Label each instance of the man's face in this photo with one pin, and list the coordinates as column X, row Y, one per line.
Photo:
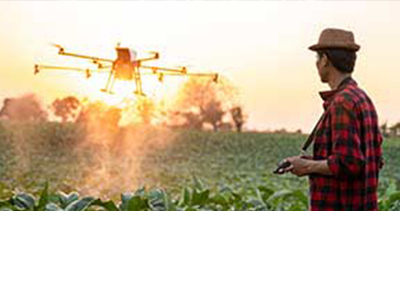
column 323, row 67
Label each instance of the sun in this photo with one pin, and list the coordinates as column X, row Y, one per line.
column 153, row 88
column 157, row 101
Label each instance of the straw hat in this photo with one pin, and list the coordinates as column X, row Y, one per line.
column 335, row 38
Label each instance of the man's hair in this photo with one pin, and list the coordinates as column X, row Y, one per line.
column 343, row 60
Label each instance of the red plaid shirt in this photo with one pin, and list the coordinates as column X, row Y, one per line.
column 349, row 138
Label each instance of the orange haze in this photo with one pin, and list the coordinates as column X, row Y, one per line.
column 260, row 46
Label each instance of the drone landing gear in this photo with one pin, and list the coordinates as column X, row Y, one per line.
column 139, row 93
column 138, row 81
column 106, row 91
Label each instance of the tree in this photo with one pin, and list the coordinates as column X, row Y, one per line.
column 238, row 117
column 201, row 100
column 395, row 130
column 213, row 113
column 193, row 120
column 66, row 108
column 25, row 108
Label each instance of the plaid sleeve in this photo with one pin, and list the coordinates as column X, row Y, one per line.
column 347, row 157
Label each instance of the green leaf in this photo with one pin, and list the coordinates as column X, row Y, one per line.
column 200, row 198
column 265, row 191
column 72, row 197
column 133, row 202
column 298, row 201
column 140, row 191
column 186, row 197
column 157, row 200
column 279, row 194
column 395, row 196
column 81, row 204
column 5, row 192
column 257, row 203
column 44, row 197
column 198, row 184
column 392, row 188
column 6, row 206
column 66, row 199
column 52, row 207
column 63, row 198
column 125, row 197
column 23, row 201
column 107, row 205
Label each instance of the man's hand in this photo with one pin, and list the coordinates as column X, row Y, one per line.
column 300, row 166
column 305, row 165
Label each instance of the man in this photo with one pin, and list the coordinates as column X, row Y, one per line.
column 347, row 155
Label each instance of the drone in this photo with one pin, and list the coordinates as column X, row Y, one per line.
column 127, row 66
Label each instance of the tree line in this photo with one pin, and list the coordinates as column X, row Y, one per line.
column 200, row 104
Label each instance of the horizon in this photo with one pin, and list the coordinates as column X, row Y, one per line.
column 260, row 46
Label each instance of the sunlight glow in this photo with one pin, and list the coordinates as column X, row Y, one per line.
column 260, row 45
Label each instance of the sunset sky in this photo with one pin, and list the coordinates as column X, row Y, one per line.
column 260, row 46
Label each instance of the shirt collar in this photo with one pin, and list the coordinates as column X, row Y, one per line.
column 327, row 96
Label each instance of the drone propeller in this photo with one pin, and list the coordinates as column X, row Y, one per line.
column 88, row 73
column 102, row 66
column 215, row 78
column 154, row 70
column 184, row 69
column 154, row 53
column 59, row 47
column 56, row 45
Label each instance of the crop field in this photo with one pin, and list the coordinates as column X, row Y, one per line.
column 54, row 166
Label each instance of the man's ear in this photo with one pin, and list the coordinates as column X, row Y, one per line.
column 325, row 60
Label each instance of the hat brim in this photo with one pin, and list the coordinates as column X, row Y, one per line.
column 318, row 47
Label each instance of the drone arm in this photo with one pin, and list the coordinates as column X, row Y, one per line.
column 202, row 74
column 41, row 67
column 155, row 56
column 92, row 58
column 88, row 72
column 213, row 75
column 156, row 69
column 102, row 67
